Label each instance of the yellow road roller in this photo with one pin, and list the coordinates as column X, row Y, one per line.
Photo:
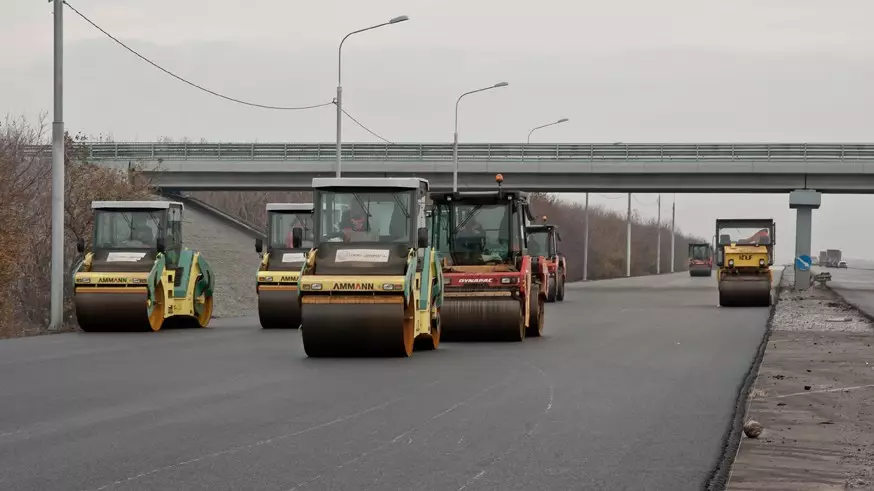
column 137, row 275
column 371, row 285
column 744, row 256
column 289, row 239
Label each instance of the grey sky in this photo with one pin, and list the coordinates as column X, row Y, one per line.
column 631, row 71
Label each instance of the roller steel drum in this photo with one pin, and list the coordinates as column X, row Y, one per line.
column 745, row 291
column 482, row 319
column 698, row 270
column 126, row 310
column 278, row 308
column 356, row 329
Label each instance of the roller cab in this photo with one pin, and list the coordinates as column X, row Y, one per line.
column 492, row 289
column 543, row 240
column 700, row 260
column 137, row 275
column 289, row 240
column 745, row 254
column 371, row 286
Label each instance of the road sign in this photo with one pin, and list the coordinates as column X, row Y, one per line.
column 802, row 263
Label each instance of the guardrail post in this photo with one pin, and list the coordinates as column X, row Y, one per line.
column 152, row 147
column 219, row 150
column 90, row 152
column 285, row 151
column 252, row 151
column 185, row 151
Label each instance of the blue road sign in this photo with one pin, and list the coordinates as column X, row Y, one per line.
column 802, row 263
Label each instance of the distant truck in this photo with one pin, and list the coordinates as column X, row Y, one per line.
column 833, row 258
column 823, row 259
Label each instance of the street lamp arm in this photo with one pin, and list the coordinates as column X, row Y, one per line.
column 563, row 120
column 340, row 49
column 468, row 93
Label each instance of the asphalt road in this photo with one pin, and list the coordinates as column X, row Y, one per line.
column 856, row 286
column 631, row 388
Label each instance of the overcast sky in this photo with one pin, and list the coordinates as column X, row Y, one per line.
column 630, row 71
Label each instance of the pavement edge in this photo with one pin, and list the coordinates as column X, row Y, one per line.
column 717, row 479
column 857, row 307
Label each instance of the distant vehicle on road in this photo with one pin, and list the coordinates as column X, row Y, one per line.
column 842, row 264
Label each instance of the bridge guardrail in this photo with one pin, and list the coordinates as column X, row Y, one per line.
column 428, row 152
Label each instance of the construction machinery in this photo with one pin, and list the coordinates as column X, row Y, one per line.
column 289, row 239
column 700, row 259
column 543, row 241
column 745, row 254
column 494, row 290
column 371, row 285
column 137, row 275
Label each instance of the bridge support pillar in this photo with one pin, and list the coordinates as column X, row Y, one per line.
column 804, row 201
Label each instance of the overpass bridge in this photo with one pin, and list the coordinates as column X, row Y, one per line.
column 804, row 170
column 693, row 168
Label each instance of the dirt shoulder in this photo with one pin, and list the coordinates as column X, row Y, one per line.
column 814, row 396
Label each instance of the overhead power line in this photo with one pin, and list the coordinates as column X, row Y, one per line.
column 181, row 79
column 365, row 128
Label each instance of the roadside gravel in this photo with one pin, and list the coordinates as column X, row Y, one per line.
column 814, row 396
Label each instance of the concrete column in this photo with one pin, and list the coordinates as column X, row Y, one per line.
column 804, row 201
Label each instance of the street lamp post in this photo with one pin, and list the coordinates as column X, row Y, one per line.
column 455, row 136
column 659, row 237
column 57, row 264
column 673, row 230
column 339, row 100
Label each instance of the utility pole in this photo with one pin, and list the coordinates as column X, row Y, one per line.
column 586, row 242
column 628, row 239
column 659, row 238
column 673, row 233
column 57, row 290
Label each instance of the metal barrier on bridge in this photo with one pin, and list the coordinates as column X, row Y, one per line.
column 474, row 152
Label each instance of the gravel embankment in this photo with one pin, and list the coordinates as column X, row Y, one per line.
column 814, row 397
column 231, row 253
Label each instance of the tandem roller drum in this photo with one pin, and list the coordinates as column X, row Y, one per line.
column 752, row 292
column 356, row 329
column 278, row 308
column 113, row 312
column 482, row 319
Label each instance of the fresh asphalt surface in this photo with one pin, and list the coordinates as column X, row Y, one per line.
column 632, row 387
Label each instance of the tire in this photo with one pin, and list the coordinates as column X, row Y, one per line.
column 552, row 289
column 560, row 293
column 535, row 317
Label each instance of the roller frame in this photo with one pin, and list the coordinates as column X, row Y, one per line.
column 372, row 323
column 115, row 306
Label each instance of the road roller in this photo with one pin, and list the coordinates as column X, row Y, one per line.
column 371, row 285
column 700, row 259
column 745, row 254
column 137, row 275
column 493, row 290
column 289, row 239
column 543, row 240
